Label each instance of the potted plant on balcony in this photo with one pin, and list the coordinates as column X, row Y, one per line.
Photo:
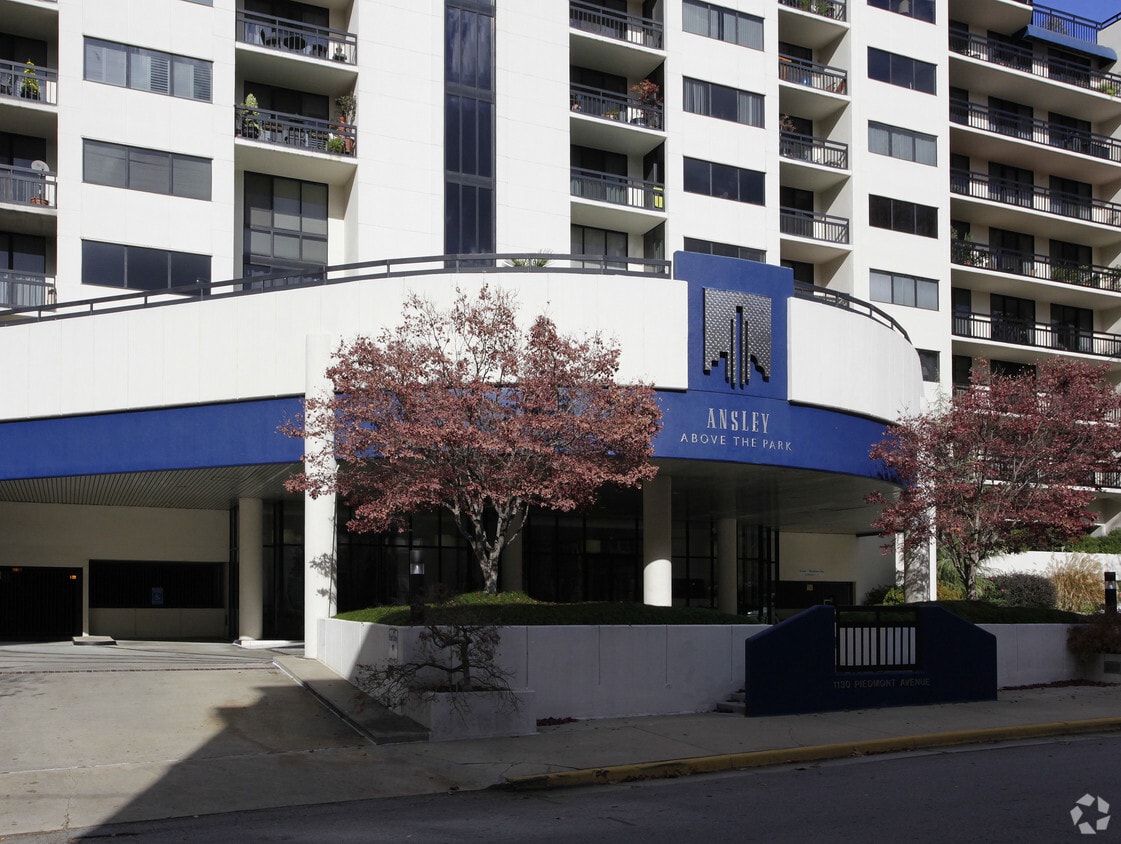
column 29, row 86
column 347, row 105
column 646, row 99
column 250, row 118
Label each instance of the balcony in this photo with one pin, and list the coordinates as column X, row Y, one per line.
column 24, row 186
column 623, row 108
column 820, row 77
column 813, row 150
column 1035, row 198
column 618, row 190
column 295, row 132
column 20, row 289
column 619, row 26
column 966, row 253
column 832, row 9
column 815, row 226
column 1057, row 338
column 297, row 38
column 1020, row 127
column 28, row 83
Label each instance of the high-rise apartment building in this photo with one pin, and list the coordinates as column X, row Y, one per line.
column 929, row 181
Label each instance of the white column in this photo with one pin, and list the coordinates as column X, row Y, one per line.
column 319, row 513
column 657, row 541
column 727, row 568
column 250, row 568
column 511, row 571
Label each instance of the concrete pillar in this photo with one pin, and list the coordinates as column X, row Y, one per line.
column 320, row 536
column 510, row 573
column 657, row 541
column 250, row 568
column 727, row 566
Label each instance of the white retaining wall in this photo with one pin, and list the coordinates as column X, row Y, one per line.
column 616, row 671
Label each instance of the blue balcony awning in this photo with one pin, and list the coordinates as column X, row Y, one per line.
column 1074, row 45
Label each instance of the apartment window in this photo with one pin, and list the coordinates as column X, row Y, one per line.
column 724, row 181
column 898, row 289
column 1072, row 328
column 139, row 267
column 723, row 24
column 587, row 240
column 723, row 102
column 901, row 70
column 928, row 362
column 902, row 143
column 900, row 216
column 728, row 250
column 146, row 169
column 922, row 10
column 285, row 224
column 1012, row 318
column 147, row 70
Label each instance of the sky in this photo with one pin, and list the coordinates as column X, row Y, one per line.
column 1097, row 10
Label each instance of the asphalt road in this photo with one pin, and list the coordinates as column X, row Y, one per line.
column 1021, row 792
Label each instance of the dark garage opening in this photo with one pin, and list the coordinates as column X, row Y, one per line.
column 40, row 602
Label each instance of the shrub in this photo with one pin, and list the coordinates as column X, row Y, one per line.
column 950, row 592
column 1108, row 544
column 887, row 593
column 1022, row 589
column 1100, row 636
column 1078, row 582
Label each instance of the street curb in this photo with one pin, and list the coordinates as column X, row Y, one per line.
column 672, row 768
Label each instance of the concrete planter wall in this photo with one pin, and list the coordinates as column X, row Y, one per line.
column 615, row 671
column 469, row 715
column 1104, row 668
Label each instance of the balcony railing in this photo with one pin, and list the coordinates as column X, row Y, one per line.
column 618, row 190
column 822, row 77
column 289, row 36
column 1037, row 64
column 835, row 9
column 1062, row 338
column 977, row 116
column 40, row 85
column 595, row 102
column 20, row 289
column 837, row 299
column 813, row 225
column 1035, row 198
column 969, row 254
column 588, row 17
column 292, row 130
column 24, row 186
column 1065, row 23
column 814, row 150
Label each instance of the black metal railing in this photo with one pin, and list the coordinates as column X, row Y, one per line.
column 1012, row 56
column 1039, row 335
column 814, row 150
column 834, row 9
column 1065, row 23
column 1043, row 267
column 288, row 36
column 24, row 186
column 813, row 225
column 1035, row 198
column 366, row 271
column 21, row 289
column 25, row 81
column 608, row 105
column 977, row 116
column 837, row 299
column 876, row 639
column 821, row 77
column 618, row 190
column 634, row 29
column 292, row 130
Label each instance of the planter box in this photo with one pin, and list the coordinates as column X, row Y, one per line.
column 1104, row 668
column 472, row 715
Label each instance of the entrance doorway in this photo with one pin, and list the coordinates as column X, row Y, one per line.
column 40, row 602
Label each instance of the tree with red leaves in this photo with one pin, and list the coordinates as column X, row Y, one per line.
column 1009, row 464
column 462, row 410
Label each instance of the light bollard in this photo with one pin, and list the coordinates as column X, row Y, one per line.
column 1111, row 593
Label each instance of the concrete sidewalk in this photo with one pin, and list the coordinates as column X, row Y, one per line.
column 145, row 731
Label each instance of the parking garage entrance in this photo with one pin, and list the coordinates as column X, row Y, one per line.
column 40, row 602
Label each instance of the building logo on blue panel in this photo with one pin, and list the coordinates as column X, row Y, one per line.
column 737, row 328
